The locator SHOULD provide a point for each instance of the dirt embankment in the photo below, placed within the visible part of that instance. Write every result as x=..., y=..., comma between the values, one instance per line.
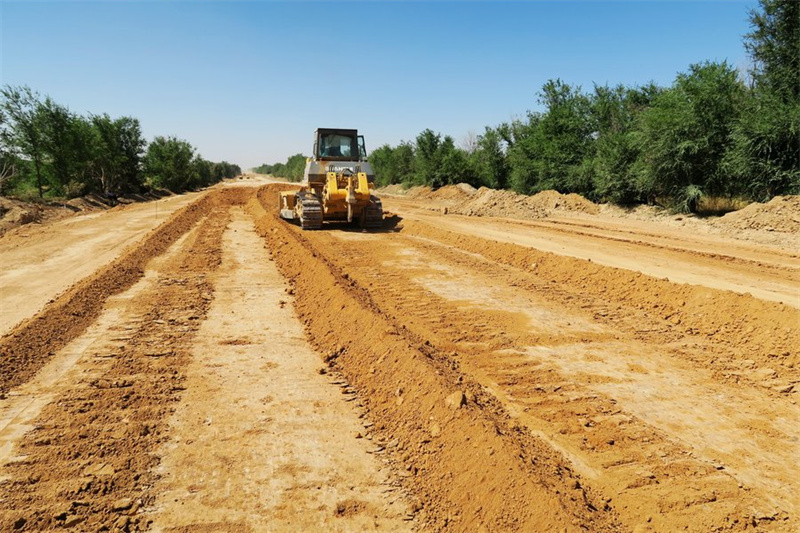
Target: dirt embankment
x=15, y=213
x=775, y=222
x=473, y=468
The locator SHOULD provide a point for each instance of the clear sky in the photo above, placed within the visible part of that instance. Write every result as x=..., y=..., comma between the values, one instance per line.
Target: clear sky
x=248, y=82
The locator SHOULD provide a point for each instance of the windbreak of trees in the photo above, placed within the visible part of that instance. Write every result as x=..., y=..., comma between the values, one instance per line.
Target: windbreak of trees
x=292, y=169
x=709, y=133
x=49, y=151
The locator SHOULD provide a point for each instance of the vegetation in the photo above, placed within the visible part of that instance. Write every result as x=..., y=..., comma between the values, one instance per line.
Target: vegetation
x=292, y=170
x=709, y=133
x=48, y=151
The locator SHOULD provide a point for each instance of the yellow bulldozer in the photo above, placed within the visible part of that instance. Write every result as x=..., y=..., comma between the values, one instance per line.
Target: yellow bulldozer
x=338, y=183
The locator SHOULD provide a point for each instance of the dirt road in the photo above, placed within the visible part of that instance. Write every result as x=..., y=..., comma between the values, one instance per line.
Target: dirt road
x=230, y=372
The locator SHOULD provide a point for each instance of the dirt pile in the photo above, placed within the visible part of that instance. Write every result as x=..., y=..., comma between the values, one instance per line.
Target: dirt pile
x=464, y=199
x=14, y=213
x=781, y=214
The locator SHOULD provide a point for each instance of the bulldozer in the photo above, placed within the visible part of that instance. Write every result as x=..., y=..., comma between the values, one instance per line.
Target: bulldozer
x=337, y=184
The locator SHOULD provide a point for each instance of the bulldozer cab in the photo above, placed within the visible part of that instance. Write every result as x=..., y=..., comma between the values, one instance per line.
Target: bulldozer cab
x=339, y=145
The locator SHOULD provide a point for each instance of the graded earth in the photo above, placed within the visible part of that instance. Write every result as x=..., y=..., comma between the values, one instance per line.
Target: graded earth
x=198, y=364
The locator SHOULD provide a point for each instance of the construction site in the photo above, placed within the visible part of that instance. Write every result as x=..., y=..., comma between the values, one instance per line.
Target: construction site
x=475, y=361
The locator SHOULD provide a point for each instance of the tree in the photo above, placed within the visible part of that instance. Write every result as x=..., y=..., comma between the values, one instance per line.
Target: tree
x=426, y=159
x=765, y=157
x=120, y=148
x=773, y=46
x=168, y=164
x=8, y=162
x=687, y=131
x=617, y=172
x=764, y=160
x=22, y=129
x=488, y=160
x=295, y=167
x=550, y=151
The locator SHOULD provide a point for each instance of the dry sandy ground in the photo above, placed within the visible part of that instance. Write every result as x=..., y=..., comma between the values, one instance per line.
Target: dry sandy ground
x=39, y=262
x=230, y=372
x=261, y=441
x=679, y=254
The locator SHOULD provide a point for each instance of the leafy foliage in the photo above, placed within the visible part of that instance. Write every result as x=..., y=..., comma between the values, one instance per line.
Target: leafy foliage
x=773, y=46
x=46, y=147
x=292, y=170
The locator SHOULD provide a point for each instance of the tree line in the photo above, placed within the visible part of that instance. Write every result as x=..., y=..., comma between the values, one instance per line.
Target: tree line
x=292, y=170
x=710, y=133
x=49, y=151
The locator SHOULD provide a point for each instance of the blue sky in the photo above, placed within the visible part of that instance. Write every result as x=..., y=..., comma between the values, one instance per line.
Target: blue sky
x=248, y=82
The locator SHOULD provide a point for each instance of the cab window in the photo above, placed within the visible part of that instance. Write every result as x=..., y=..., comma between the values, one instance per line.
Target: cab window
x=335, y=145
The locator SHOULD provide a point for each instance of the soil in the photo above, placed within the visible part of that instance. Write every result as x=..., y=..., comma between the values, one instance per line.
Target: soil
x=222, y=370
x=781, y=214
x=464, y=199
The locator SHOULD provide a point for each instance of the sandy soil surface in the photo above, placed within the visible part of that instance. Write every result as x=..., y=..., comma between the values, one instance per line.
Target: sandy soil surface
x=767, y=272
x=448, y=373
x=69, y=250
x=261, y=440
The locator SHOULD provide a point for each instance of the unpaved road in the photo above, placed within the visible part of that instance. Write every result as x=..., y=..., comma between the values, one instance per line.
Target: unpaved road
x=230, y=372
x=66, y=251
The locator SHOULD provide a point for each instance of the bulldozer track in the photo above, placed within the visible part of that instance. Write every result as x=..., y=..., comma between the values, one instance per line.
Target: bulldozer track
x=373, y=214
x=310, y=212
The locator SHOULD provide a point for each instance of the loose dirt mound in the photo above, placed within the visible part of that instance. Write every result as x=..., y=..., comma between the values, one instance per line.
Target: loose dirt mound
x=556, y=201
x=781, y=214
x=14, y=213
x=491, y=202
x=449, y=194
x=394, y=189
x=464, y=199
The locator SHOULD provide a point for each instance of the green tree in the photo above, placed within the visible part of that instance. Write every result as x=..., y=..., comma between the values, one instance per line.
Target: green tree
x=764, y=160
x=774, y=46
x=63, y=143
x=550, y=151
x=118, y=157
x=488, y=161
x=686, y=133
x=168, y=164
x=206, y=171
x=9, y=163
x=427, y=160
x=392, y=165
x=295, y=167
x=22, y=130
x=617, y=172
